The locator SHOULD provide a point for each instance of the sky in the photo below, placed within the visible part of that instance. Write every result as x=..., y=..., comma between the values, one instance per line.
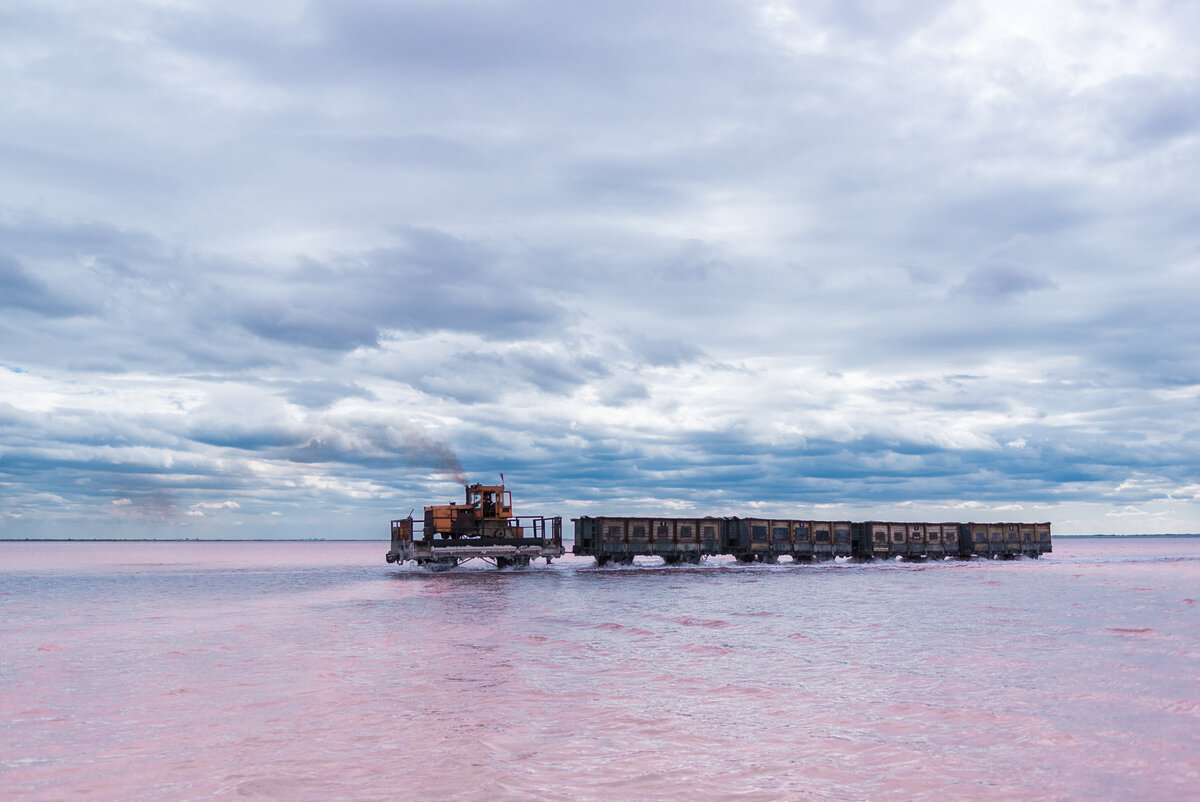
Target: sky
x=292, y=269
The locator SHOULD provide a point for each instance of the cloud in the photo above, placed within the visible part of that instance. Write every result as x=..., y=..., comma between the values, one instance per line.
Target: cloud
x=1154, y=111
x=19, y=290
x=317, y=394
x=316, y=260
x=1000, y=283
x=430, y=281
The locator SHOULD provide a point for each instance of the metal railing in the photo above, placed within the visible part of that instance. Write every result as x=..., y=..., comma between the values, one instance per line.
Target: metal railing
x=536, y=530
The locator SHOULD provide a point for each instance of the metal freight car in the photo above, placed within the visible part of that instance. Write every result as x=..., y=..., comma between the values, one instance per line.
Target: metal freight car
x=620, y=539
x=882, y=540
x=1004, y=540
x=766, y=540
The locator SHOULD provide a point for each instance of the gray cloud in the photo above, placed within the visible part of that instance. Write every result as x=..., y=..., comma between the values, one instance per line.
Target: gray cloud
x=1000, y=282
x=21, y=290
x=1153, y=110
x=320, y=393
x=265, y=260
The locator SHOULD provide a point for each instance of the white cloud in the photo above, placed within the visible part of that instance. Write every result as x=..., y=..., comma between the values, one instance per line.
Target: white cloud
x=296, y=257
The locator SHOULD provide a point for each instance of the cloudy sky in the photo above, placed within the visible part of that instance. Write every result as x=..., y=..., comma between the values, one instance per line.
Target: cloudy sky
x=278, y=268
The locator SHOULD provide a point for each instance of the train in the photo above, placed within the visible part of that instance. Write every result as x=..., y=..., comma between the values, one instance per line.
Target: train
x=618, y=539
x=483, y=527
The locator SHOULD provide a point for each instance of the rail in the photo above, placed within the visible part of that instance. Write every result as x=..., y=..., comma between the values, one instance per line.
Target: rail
x=536, y=530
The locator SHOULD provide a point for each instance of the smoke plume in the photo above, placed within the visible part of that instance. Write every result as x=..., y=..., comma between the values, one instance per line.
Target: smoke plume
x=423, y=451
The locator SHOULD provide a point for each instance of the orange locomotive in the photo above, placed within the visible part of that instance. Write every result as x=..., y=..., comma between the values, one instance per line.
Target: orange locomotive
x=483, y=527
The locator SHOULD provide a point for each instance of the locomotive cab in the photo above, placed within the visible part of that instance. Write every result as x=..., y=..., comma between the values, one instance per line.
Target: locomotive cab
x=484, y=513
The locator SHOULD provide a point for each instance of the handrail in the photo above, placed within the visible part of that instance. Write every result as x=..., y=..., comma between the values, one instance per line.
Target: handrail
x=545, y=529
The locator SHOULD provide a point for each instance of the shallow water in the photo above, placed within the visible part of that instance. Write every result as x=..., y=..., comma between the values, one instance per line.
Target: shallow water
x=313, y=670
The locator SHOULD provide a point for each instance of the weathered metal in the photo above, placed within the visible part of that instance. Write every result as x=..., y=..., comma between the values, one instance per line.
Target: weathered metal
x=482, y=527
x=618, y=539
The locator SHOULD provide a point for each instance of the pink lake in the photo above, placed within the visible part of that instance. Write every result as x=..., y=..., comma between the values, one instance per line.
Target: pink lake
x=313, y=670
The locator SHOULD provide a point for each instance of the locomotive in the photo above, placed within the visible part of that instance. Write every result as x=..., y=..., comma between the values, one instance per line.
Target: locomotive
x=482, y=527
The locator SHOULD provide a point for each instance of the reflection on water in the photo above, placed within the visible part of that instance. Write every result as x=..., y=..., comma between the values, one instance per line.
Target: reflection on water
x=313, y=670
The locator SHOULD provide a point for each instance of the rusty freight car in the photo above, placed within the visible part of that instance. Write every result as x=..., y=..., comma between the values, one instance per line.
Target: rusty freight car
x=914, y=541
x=1005, y=540
x=618, y=539
x=875, y=540
x=766, y=540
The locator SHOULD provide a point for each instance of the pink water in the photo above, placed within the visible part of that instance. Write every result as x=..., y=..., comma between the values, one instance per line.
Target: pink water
x=141, y=671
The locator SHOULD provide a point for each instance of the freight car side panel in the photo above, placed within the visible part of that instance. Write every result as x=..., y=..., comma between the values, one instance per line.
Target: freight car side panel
x=822, y=540
x=916, y=541
x=781, y=537
x=687, y=537
x=662, y=537
x=622, y=538
x=934, y=548
x=802, y=541
x=612, y=537
x=638, y=536
x=764, y=540
x=1043, y=536
x=872, y=540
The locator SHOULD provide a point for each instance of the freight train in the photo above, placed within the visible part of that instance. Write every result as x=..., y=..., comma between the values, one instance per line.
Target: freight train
x=483, y=527
x=618, y=539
